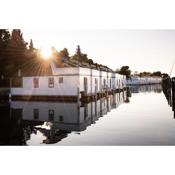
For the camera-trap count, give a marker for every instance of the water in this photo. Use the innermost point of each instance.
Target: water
(140, 116)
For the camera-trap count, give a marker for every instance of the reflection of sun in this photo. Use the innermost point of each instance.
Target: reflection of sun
(46, 53)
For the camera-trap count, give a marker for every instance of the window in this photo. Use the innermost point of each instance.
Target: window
(51, 115)
(104, 82)
(36, 113)
(61, 118)
(60, 79)
(85, 111)
(96, 84)
(51, 82)
(85, 85)
(36, 82)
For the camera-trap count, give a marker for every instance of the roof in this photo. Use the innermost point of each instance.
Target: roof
(35, 67)
(39, 67)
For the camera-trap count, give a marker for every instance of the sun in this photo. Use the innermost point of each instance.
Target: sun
(46, 53)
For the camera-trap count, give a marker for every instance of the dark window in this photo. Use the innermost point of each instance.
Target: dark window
(36, 82)
(16, 113)
(51, 115)
(85, 85)
(96, 84)
(16, 82)
(36, 113)
(60, 79)
(85, 111)
(61, 118)
(104, 83)
(51, 82)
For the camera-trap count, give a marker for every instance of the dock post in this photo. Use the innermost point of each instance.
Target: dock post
(173, 93)
(10, 93)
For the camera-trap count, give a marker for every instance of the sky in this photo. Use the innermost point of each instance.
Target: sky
(141, 50)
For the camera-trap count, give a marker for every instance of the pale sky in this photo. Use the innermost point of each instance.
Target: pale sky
(141, 50)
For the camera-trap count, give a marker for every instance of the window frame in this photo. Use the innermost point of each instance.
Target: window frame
(35, 85)
(60, 80)
(51, 82)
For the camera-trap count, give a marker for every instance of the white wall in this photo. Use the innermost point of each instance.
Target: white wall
(95, 75)
(69, 111)
(73, 82)
(68, 87)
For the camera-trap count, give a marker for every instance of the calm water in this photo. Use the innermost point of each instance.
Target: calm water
(140, 116)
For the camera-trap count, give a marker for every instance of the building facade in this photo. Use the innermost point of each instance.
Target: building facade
(66, 82)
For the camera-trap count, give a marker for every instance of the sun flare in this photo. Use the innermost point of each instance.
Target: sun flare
(46, 53)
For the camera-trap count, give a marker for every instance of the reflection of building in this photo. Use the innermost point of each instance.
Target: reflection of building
(136, 80)
(14, 130)
(157, 88)
(67, 116)
(21, 119)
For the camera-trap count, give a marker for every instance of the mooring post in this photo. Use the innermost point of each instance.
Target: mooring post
(173, 93)
(10, 93)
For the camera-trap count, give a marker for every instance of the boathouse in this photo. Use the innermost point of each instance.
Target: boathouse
(77, 118)
(46, 80)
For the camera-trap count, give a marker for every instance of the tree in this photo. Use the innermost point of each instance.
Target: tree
(143, 74)
(64, 53)
(31, 48)
(164, 75)
(17, 41)
(158, 74)
(90, 61)
(4, 38)
(81, 57)
(124, 70)
(78, 54)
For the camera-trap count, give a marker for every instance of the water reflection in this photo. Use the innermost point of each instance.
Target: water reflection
(21, 121)
(157, 88)
(35, 123)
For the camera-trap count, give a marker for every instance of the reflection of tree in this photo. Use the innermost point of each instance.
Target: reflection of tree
(53, 136)
(13, 130)
(16, 131)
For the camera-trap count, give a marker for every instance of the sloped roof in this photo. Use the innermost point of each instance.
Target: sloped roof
(36, 67)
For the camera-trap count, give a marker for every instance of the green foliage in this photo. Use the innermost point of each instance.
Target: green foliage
(31, 48)
(165, 75)
(13, 51)
(124, 70)
(17, 40)
(158, 74)
(64, 53)
(145, 74)
(4, 38)
(81, 57)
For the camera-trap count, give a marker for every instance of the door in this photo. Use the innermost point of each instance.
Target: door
(85, 85)
(96, 85)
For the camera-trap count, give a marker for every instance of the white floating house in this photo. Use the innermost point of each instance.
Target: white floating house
(136, 80)
(47, 80)
(77, 118)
